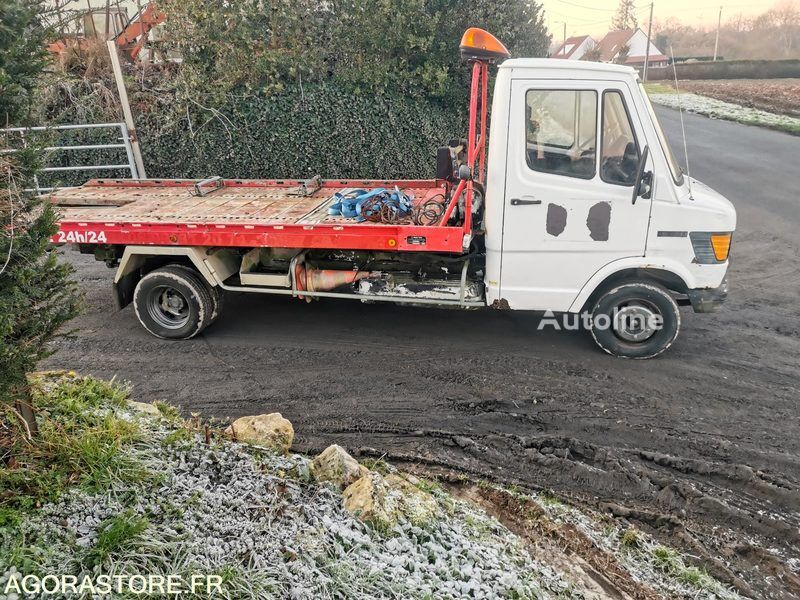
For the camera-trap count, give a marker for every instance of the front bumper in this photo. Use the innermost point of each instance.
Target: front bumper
(708, 300)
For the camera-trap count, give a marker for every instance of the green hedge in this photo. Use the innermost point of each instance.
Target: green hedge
(729, 69)
(319, 130)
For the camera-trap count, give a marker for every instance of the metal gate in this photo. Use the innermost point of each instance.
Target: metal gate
(123, 143)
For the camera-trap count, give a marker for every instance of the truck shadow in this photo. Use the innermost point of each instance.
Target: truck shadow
(250, 316)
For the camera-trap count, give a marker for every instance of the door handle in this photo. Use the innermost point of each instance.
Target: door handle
(524, 201)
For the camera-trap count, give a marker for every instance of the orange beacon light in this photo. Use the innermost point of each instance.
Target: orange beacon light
(481, 45)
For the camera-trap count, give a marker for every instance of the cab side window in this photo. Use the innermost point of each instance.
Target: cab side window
(561, 132)
(619, 156)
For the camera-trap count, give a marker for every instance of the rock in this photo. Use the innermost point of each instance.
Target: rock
(336, 465)
(464, 442)
(418, 506)
(371, 500)
(383, 501)
(144, 407)
(270, 430)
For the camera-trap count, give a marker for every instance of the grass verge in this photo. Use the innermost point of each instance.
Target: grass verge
(121, 490)
(659, 88)
(719, 109)
(80, 444)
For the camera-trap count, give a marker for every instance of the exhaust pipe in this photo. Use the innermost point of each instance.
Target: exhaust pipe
(324, 280)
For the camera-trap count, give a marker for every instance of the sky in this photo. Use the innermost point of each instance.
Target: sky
(593, 17)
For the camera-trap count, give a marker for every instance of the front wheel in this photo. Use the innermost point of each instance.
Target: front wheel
(636, 319)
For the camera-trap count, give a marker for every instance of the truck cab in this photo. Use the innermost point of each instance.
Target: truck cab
(584, 193)
(572, 203)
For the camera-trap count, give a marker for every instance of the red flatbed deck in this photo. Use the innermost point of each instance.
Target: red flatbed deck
(242, 213)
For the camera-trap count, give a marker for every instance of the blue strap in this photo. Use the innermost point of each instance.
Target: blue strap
(351, 205)
(345, 205)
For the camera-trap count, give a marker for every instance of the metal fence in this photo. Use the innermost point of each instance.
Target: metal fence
(124, 143)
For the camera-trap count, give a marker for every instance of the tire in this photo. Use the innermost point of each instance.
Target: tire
(217, 293)
(173, 303)
(629, 307)
(218, 299)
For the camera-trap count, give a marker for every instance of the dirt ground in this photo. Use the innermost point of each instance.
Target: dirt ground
(700, 447)
(781, 96)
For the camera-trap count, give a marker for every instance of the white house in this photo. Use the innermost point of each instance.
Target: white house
(636, 42)
(574, 48)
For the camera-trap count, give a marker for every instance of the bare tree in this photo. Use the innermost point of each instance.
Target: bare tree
(773, 34)
(738, 23)
(625, 17)
(785, 17)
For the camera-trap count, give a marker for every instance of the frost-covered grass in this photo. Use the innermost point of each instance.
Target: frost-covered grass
(109, 489)
(159, 500)
(718, 109)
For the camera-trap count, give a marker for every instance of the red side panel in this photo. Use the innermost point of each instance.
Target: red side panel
(241, 214)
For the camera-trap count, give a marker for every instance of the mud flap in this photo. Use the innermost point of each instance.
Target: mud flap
(124, 288)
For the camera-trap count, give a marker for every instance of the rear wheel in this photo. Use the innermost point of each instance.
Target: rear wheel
(216, 292)
(636, 319)
(173, 303)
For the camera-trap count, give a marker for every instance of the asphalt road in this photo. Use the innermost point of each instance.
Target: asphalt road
(700, 446)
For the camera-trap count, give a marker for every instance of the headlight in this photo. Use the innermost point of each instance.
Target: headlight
(711, 248)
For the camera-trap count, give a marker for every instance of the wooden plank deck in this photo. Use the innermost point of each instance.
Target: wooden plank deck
(240, 205)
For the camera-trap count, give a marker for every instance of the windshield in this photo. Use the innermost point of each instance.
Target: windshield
(677, 174)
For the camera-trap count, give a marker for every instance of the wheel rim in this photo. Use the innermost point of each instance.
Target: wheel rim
(168, 307)
(634, 320)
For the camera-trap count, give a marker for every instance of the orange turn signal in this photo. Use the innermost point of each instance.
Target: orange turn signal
(477, 43)
(721, 243)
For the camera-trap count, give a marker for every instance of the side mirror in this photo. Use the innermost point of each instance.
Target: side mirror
(643, 183)
(646, 186)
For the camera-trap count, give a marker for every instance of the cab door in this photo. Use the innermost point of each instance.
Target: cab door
(573, 153)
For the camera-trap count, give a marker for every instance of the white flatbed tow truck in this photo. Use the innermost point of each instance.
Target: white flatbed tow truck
(578, 207)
